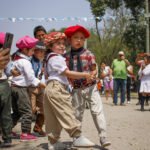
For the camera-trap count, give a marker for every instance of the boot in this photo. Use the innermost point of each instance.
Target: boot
(142, 103)
(39, 124)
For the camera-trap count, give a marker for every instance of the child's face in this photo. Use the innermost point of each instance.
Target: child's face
(59, 46)
(39, 54)
(103, 65)
(40, 35)
(147, 60)
(28, 52)
(77, 40)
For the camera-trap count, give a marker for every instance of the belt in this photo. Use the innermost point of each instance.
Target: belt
(56, 81)
(3, 80)
(84, 85)
(14, 85)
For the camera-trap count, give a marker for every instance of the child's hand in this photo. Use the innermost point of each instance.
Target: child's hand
(42, 85)
(15, 72)
(89, 77)
(4, 57)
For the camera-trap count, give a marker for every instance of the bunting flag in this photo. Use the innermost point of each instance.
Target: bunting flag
(14, 19)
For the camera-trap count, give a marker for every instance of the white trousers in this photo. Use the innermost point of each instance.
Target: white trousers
(90, 94)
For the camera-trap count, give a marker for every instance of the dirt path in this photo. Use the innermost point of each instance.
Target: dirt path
(127, 128)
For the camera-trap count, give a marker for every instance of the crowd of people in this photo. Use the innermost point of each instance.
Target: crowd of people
(121, 75)
(53, 85)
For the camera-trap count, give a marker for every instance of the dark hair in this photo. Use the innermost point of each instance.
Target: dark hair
(38, 28)
(1, 45)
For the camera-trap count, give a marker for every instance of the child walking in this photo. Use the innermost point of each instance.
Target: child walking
(58, 109)
(82, 60)
(21, 103)
(35, 92)
(144, 73)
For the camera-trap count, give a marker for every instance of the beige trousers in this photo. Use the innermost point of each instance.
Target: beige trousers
(36, 95)
(58, 112)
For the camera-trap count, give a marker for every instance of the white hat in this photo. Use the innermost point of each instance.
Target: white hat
(120, 53)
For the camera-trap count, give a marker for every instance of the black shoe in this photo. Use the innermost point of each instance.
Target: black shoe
(6, 143)
(122, 104)
(138, 103)
(142, 109)
(146, 104)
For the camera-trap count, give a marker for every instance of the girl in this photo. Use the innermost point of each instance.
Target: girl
(144, 72)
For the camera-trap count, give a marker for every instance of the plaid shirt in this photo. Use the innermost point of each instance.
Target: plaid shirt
(87, 59)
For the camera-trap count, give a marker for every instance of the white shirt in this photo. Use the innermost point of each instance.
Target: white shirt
(56, 65)
(145, 73)
(106, 71)
(27, 76)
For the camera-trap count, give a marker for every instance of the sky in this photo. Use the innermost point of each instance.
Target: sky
(58, 9)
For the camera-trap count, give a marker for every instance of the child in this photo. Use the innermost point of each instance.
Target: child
(82, 60)
(21, 103)
(106, 74)
(39, 32)
(35, 92)
(144, 73)
(5, 96)
(58, 110)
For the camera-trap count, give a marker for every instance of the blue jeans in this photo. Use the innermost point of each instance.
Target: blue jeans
(119, 84)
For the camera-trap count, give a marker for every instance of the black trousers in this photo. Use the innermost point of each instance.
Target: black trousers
(5, 110)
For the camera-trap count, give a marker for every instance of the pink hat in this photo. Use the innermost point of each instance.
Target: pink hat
(2, 37)
(73, 29)
(26, 42)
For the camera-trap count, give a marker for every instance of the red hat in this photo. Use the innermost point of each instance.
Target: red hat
(72, 29)
(2, 37)
(53, 36)
(26, 42)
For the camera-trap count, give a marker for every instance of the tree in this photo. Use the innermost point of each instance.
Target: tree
(98, 8)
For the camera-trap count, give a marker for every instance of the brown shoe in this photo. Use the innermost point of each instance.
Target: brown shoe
(38, 125)
(38, 131)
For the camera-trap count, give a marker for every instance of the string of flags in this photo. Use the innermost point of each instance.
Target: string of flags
(50, 19)
(15, 19)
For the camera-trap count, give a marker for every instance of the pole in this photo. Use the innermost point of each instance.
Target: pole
(147, 28)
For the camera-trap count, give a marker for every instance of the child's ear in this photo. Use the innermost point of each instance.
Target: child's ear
(93, 67)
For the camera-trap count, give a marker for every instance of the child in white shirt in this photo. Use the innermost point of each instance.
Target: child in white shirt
(21, 103)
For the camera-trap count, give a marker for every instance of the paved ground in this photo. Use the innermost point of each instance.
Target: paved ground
(128, 129)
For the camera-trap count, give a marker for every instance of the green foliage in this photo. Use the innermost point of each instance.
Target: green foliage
(107, 49)
(98, 7)
(114, 4)
(126, 32)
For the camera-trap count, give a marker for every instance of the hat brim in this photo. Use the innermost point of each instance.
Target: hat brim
(73, 29)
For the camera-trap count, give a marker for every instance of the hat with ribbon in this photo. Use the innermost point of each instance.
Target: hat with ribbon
(26, 42)
(73, 29)
(53, 37)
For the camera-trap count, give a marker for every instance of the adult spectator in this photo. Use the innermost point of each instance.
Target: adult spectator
(119, 67)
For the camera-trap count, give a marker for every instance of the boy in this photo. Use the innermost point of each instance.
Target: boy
(35, 92)
(5, 96)
(82, 60)
(21, 103)
(58, 110)
(39, 32)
